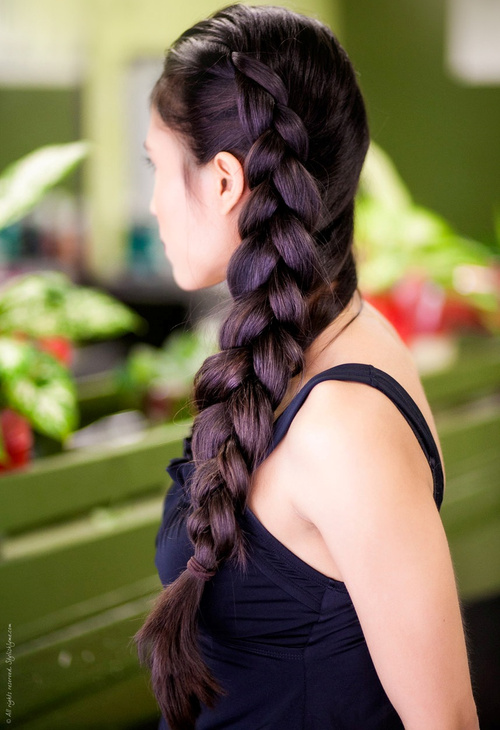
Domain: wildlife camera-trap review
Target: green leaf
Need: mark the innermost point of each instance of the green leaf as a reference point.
(381, 181)
(34, 303)
(90, 313)
(37, 386)
(15, 357)
(142, 367)
(49, 304)
(49, 408)
(23, 183)
(171, 367)
(396, 238)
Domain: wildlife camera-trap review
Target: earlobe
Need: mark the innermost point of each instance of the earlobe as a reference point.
(230, 181)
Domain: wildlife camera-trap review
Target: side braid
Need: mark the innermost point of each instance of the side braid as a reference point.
(290, 276)
(240, 387)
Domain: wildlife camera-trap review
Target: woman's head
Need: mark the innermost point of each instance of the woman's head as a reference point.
(266, 128)
(274, 83)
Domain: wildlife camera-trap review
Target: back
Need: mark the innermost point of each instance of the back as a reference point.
(283, 639)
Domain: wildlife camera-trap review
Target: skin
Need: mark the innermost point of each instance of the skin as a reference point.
(367, 517)
(198, 226)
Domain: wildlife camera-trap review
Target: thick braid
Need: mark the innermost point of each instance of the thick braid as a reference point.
(240, 387)
(297, 123)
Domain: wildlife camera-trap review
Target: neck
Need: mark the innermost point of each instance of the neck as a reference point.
(333, 330)
(319, 344)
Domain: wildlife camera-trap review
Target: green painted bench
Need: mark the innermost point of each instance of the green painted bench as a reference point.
(77, 572)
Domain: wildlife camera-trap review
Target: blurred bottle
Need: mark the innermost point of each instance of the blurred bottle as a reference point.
(140, 255)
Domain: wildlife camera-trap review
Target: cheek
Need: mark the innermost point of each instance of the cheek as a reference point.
(203, 257)
(197, 243)
(206, 256)
(170, 206)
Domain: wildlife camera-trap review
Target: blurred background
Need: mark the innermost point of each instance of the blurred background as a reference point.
(98, 346)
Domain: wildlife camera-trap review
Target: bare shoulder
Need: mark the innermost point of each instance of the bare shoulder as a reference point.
(335, 413)
(344, 414)
(356, 416)
(351, 435)
(357, 446)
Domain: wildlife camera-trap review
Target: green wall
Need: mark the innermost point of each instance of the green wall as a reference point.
(444, 136)
(32, 117)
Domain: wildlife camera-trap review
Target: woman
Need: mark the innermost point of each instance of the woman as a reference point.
(308, 582)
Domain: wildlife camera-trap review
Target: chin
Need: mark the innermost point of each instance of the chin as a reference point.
(195, 280)
(191, 283)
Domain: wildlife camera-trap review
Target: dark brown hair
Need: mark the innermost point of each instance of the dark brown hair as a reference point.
(277, 90)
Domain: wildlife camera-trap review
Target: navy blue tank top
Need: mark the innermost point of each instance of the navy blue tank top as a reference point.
(283, 639)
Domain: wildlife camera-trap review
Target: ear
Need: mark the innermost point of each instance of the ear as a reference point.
(229, 181)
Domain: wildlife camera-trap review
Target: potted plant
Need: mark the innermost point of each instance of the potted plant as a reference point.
(41, 316)
(414, 267)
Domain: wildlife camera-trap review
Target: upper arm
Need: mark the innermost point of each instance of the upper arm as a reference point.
(369, 494)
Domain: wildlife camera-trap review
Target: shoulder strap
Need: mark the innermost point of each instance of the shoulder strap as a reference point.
(369, 374)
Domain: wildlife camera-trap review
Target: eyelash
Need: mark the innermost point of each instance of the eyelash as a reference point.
(148, 162)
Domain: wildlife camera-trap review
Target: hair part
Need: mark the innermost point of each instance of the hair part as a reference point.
(277, 90)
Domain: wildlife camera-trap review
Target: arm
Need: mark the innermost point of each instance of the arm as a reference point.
(369, 494)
